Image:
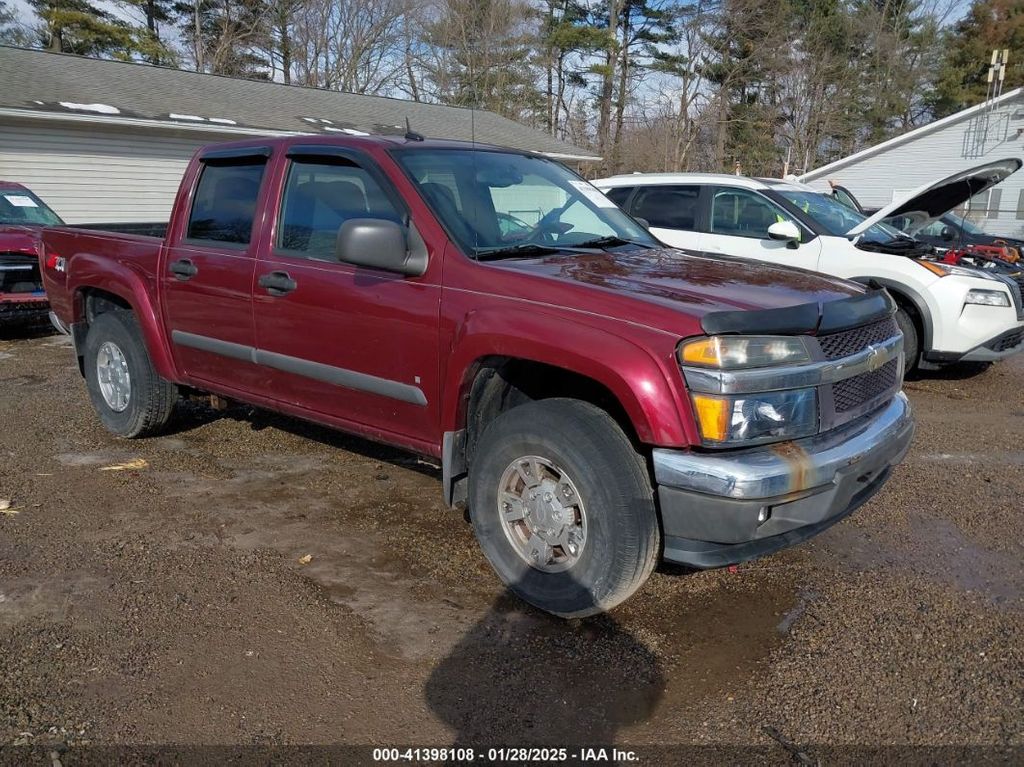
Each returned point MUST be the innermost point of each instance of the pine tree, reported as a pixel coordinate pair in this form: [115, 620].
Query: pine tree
[989, 25]
[84, 28]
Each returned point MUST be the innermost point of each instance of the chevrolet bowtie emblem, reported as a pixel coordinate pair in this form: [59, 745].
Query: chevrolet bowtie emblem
[875, 360]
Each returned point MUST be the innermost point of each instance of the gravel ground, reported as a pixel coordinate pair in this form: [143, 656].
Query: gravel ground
[250, 579]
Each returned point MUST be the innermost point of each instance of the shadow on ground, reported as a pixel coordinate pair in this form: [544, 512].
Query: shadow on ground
[523, 677]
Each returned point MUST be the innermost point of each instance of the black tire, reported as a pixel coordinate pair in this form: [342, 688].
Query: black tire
[623, 538]
[911, 347]
[151, 399]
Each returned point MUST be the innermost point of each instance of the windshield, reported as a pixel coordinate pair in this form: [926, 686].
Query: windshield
[496, 201]
[20, 206]
[837, 219]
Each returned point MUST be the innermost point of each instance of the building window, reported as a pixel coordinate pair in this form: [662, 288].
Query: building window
[995, 196]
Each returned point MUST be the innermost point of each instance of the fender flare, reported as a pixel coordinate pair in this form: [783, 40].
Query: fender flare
[86, 272]
[637, 380]
[911, 295]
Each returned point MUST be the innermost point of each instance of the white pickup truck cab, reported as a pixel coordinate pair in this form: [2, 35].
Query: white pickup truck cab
[947, 313]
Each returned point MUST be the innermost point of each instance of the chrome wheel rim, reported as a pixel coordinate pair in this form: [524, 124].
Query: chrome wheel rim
[542, 514]
[113, 376]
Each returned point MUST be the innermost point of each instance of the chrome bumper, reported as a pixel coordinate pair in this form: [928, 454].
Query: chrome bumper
[722, 508]
[789, 467]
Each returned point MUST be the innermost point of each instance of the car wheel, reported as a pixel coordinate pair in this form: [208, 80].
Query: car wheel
[562, 506]
[911, 350]
[129, 396]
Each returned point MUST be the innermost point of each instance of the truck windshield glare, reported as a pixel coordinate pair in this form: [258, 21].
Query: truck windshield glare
[496, 200]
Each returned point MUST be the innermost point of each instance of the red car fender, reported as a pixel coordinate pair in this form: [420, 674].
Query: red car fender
[636, 378]
[86, 271]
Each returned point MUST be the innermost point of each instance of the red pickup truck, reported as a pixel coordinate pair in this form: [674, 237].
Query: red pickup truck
[22, 217]
[598, 401]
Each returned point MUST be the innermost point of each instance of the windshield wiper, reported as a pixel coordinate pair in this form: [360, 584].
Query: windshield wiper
[608, 242]
[514, 251]
[536, 249]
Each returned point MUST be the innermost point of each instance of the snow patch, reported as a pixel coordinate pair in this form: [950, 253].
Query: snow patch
[222, 121]
[193, 118]
[104, 109]
[349, 131]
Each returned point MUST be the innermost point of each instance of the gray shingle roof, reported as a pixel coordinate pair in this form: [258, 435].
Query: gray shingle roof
[40, 81]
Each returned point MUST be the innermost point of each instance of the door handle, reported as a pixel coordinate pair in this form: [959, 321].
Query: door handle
[277, 283]
[184, 269]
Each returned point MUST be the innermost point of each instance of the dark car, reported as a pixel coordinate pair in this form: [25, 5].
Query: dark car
[22, 217]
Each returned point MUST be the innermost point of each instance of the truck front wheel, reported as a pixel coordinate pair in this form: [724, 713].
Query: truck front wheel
[129, 396]
[562, 506]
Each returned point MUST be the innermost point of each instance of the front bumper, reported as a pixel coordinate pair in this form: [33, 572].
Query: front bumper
[20, 306]
[722, 508]
[996, 348]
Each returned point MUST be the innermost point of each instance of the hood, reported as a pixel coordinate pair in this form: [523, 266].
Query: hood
[931, 201]
[688, 282]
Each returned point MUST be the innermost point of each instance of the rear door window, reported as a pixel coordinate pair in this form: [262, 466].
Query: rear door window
[224, 205]
[668, 207]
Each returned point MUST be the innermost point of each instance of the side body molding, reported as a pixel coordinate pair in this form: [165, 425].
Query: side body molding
[350, 379]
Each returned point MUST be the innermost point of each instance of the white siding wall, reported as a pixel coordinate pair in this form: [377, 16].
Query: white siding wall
[93, 175]
[876, 178]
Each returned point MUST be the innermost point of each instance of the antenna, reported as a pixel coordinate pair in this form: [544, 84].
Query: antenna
[410, 134]
[997, 73]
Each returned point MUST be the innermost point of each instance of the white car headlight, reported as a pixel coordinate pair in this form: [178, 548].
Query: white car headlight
[987, 297]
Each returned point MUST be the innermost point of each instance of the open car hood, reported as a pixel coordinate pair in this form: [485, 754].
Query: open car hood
[933, 200]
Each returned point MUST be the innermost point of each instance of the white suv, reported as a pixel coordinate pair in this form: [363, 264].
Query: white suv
[947, 313]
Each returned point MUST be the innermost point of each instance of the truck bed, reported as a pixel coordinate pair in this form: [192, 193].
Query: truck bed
[95, 256]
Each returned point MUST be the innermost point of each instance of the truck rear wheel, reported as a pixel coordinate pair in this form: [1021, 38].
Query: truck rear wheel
[129, 396]
[563, 508]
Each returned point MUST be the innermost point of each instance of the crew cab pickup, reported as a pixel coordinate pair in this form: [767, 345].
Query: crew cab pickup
[598, 401]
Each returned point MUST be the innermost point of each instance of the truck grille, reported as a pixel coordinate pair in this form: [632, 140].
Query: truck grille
[847, 342]
[851, 393]
[19, 274]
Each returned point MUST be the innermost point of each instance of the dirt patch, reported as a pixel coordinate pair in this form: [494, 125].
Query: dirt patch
[257, 580]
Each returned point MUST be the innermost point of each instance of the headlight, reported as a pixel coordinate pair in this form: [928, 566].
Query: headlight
[752, 418]
[729, 352]
[987, 297]
[945, 270]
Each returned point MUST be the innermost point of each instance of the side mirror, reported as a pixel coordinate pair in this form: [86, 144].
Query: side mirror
[784, 231]
[381, 244]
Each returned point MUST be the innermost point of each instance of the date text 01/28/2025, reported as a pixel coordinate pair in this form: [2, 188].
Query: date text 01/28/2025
[503, 754]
